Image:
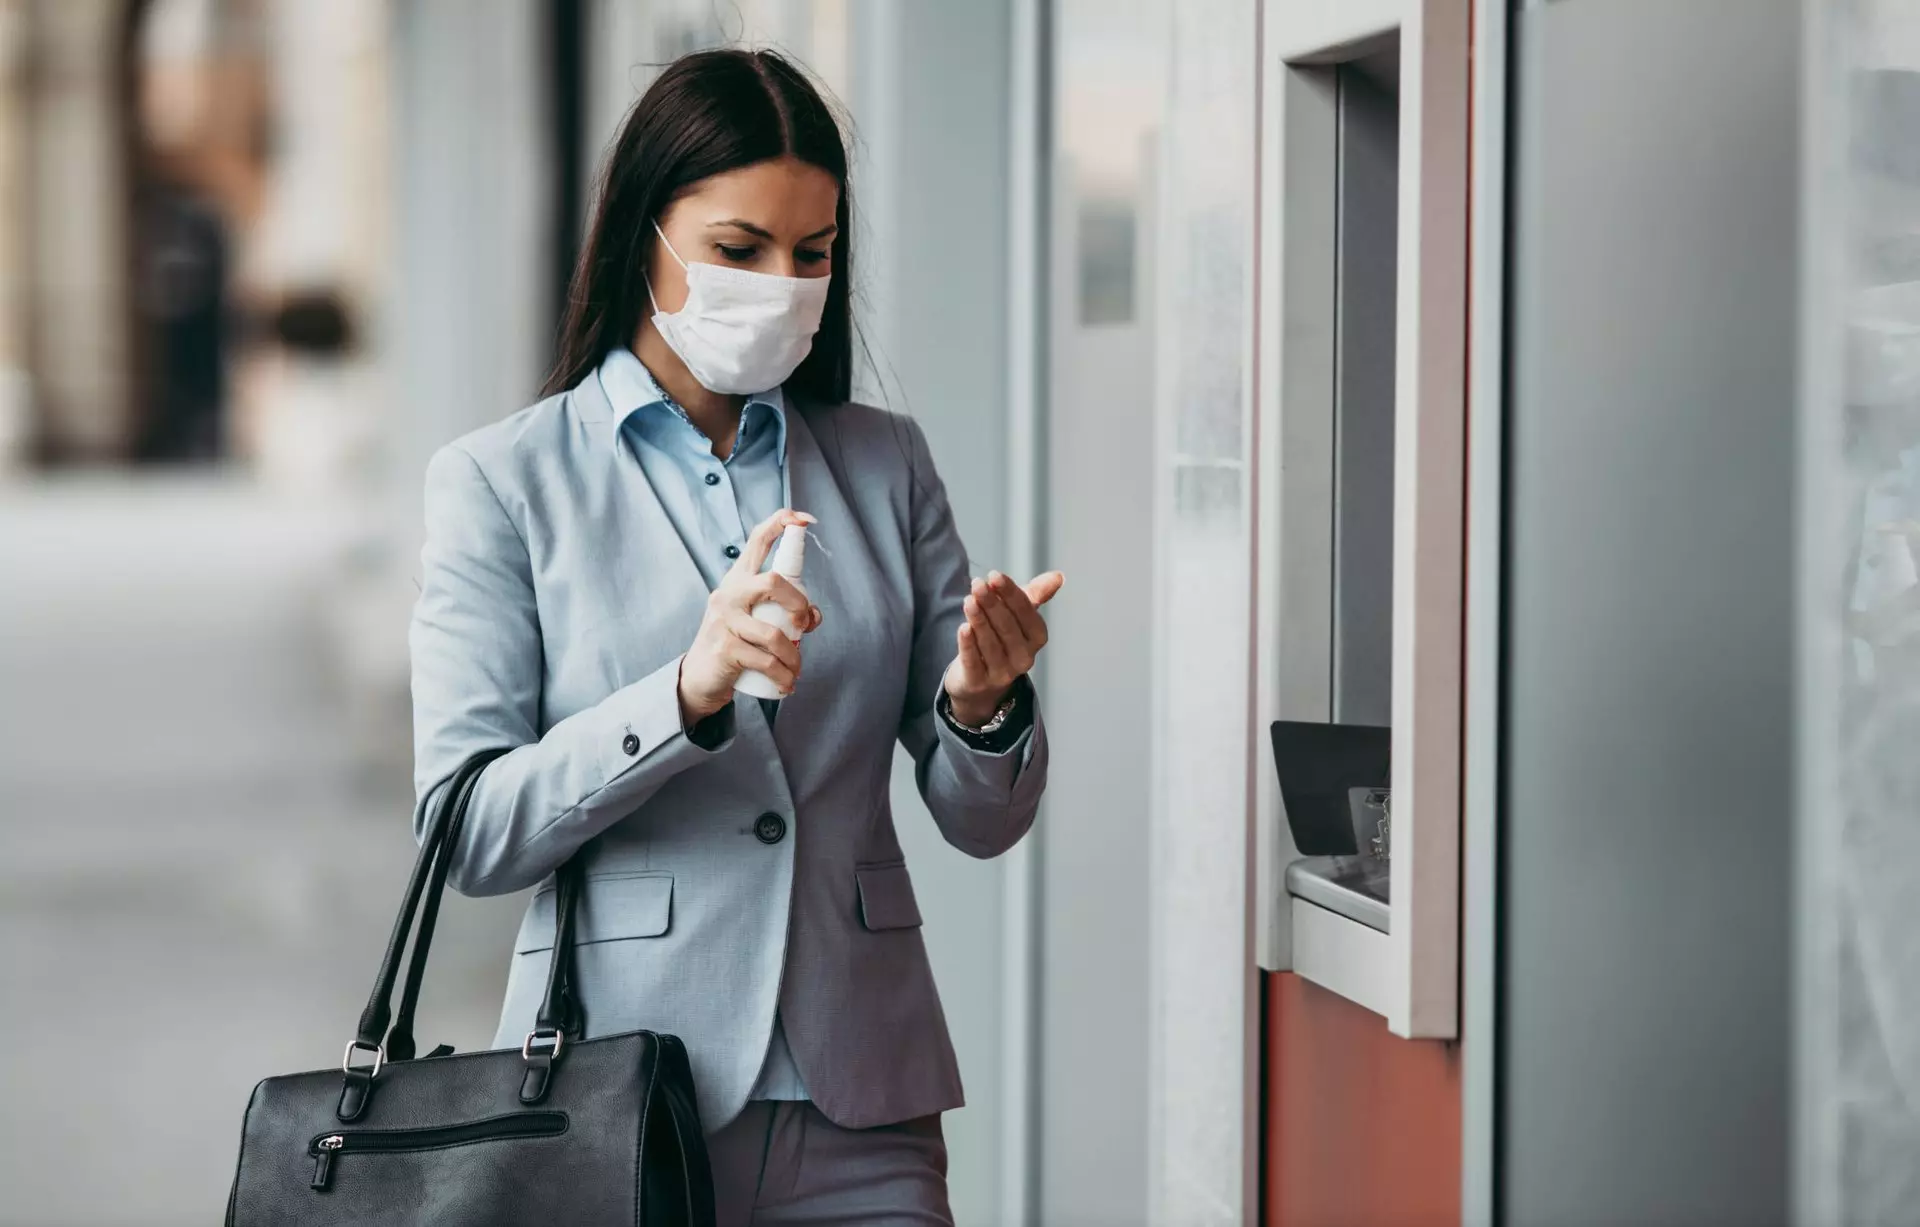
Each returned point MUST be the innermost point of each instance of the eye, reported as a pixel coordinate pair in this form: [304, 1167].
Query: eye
[808, 256]
[739, 255]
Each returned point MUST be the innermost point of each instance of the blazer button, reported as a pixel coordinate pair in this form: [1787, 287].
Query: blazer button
[713, 479]
[630, 744]
[732, 551]
[770, 828]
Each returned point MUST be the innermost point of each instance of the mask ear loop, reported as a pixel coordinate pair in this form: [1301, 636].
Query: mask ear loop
[648, 281]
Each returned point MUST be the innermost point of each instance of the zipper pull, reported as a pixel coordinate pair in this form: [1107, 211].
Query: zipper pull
[323, 1152]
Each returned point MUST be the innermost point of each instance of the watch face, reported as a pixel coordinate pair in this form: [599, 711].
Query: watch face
[994, 722]
[1000, 715]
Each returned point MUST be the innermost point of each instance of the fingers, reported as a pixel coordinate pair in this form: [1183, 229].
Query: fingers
[767, 649]
[1043, 588]
[760, 541]
[772, 586]
[1032, 626]
[760, 544]
[986, 638]
[974, 664]
[758, 659]
[768, 639]
[1013, 641]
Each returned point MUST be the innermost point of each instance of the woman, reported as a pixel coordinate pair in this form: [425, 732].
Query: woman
[589, 567]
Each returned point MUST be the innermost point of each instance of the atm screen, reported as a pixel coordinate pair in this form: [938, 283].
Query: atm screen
[1319, 765]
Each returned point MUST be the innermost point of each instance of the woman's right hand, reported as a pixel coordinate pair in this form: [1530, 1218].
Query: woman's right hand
[731, 641]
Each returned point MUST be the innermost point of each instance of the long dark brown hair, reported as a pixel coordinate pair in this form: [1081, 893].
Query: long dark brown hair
[707, 113]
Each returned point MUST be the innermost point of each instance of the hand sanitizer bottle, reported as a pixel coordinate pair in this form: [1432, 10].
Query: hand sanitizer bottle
[788, 558]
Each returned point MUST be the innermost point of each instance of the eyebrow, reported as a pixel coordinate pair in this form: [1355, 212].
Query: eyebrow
[759, 233]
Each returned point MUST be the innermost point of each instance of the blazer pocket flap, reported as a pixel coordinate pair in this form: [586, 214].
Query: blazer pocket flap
[886, 897]
[613, 907]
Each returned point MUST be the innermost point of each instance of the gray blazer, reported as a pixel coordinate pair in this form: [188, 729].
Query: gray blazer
[556, 600]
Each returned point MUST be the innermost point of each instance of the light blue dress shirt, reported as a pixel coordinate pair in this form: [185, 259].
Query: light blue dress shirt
[714, 504]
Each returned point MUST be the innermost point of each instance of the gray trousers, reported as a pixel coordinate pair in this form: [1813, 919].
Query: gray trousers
[783, 1164]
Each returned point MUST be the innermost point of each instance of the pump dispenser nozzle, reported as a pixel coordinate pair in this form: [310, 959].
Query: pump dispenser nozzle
[791, 554]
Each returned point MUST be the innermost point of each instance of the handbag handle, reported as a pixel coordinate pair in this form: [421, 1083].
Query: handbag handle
[399, 1042]
[559, 1015]
[427, 884]
[453, 802]
[559, 1006]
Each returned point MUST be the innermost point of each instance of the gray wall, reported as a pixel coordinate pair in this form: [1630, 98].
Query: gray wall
[929, 99]
[1645, 824]
[471, 320]
[1096, 1007]
[1095, 1004]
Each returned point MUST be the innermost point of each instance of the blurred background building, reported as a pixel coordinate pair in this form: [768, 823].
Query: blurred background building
[1539, 377]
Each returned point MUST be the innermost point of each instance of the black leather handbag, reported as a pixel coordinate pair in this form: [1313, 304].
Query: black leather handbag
[562, 1130]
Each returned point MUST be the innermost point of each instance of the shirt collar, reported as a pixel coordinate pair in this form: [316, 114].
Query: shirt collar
[632, 390]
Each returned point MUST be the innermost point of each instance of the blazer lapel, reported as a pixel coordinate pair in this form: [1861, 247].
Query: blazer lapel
[840, 582]
[654, 581]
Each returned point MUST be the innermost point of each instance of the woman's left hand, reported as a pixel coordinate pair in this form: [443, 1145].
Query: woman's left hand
[998, 642]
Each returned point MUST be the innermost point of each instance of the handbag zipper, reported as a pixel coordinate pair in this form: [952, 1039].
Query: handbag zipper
[328, 1146]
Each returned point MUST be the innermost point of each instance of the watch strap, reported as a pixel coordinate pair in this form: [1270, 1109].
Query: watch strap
[1009, 722]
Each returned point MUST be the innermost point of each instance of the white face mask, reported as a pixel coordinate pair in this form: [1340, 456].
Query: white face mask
[741, 332]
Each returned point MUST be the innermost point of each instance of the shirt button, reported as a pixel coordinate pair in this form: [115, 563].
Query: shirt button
[630, 744]
[713, 479]
[770, 828]
[732, 551]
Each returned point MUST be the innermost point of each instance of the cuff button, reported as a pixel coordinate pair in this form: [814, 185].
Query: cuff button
[630, 744]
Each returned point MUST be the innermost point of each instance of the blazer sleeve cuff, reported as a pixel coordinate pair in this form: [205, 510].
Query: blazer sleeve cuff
[985, 763]
[1001, 740]
[640, 725]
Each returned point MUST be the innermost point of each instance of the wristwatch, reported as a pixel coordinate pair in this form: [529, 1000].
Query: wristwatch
[994, 722]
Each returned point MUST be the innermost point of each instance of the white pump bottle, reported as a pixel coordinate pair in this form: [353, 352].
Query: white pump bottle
[788, 559]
